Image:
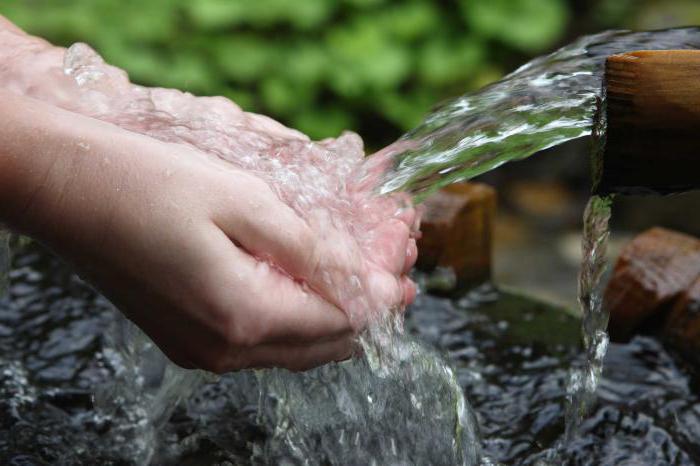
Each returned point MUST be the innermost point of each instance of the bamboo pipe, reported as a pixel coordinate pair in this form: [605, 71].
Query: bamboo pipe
[648, 132]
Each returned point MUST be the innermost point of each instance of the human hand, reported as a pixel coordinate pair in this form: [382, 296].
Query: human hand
[174, 238]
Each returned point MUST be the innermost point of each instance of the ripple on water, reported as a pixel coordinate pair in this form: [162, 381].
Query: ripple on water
[514, 375]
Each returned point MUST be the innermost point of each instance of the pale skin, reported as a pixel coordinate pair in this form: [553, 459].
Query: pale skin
[172, 237]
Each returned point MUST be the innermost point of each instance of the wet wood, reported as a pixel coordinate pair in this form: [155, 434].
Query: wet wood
[652, 271]
[652, 109]
[456, 231]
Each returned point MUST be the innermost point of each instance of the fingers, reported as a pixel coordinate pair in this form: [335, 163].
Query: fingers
[259, 304]
[411, 255]
[292, 357]
[267, 228]
[264, 226]
[409, 290]
[319, 255]
[391, 240]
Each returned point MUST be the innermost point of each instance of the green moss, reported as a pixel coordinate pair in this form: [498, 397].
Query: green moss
[530, 320]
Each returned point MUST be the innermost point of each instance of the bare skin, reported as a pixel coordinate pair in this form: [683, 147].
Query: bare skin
[173, 237]
[165, 237]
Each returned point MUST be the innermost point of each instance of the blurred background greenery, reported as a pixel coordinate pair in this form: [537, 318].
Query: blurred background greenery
[374, 66]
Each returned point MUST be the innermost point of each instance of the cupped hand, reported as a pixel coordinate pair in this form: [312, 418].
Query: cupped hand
[202, 256]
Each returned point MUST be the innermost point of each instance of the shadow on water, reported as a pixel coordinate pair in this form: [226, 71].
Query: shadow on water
[512, 357]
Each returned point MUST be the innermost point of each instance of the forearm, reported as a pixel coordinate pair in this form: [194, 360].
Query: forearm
[42, 148]
[29, 147]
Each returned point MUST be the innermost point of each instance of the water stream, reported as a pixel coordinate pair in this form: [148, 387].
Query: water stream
[511, 356]
[402, 401]
[584, 381]
[550, 100]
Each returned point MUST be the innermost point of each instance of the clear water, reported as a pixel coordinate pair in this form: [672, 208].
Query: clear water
[546, 102]
[511, 357]
[584, 381]
[402, 400]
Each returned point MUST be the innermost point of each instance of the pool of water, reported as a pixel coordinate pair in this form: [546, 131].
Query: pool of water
[512, 356]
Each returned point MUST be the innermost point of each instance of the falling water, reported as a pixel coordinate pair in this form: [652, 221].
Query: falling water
[584, 381]
[400, 403]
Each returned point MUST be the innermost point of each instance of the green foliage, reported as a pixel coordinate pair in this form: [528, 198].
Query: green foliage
[375, 66]
[528, 25]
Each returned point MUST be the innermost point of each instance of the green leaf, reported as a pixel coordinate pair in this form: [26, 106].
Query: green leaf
[364, 57]
[244, 58]
[304, 62]
[406, 110]
[189, 71]
[284, 97]
[527, 25]
[216, 14]
[410, 20]
[310, 13]
[242, 98]
[364, 3]
[322, 123]
[443, 61]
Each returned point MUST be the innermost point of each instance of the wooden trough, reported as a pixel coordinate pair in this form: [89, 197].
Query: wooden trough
[649, 129]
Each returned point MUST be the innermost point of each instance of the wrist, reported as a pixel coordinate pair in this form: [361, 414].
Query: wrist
[34, 150]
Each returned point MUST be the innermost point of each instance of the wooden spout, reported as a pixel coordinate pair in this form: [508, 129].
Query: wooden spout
[652, 113]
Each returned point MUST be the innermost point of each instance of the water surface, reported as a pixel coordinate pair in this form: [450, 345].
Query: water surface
[511, 357]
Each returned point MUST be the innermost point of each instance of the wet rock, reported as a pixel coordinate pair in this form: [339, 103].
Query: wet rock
[651, 272]
[682, 329]
[457, 228]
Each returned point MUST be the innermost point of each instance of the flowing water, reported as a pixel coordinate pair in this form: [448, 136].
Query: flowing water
[401, 403]
[584, 381]
[546, 102]
[510, 355]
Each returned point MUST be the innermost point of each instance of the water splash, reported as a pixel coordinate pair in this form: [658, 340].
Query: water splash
[390, 407]
[511, 356]
[371, 409]
[406, 394]
[145, 390]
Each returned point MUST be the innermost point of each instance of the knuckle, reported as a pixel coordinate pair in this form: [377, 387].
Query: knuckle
[313, 255]
[221, 361]
[242, 333]
[233, 329]
[294, 363]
